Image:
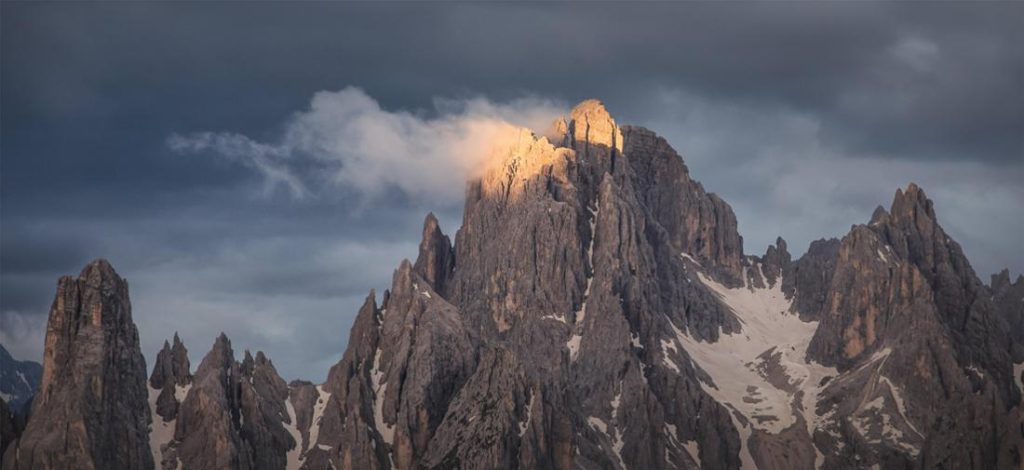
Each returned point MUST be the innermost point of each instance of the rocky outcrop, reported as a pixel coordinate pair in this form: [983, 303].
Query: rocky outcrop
[91, 409]
[9, 428]
[172, 365]
[927, 375]
[303, 397]
[171, 378]
[810, 278]
[436, 258]
[234, 415]
[18, 381]
[964, 304]
[1008, 299]
[264, 412]
[208, 433]
[390, 391]
[698, 223]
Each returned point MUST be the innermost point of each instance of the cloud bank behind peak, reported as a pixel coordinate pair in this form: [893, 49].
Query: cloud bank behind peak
[346, 140]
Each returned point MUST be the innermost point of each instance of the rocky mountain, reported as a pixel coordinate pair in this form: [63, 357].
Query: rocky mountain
[18, 381]
[595, 311]
[90, 411]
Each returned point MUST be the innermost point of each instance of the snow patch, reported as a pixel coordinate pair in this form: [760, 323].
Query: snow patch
[772, 341]
[558, 318]
[616, 402]
[294, 455]
[666, 346]
[318, 413]
[574, 341]
[617, 442]
[897, 397]
[582, 312]
[181, 391]
[733, 361]
[694, 450]
[523, 426]
[379, 392]
[867, 418]
[574, 346]
[160, 432]
[746, 459]
[690, 258]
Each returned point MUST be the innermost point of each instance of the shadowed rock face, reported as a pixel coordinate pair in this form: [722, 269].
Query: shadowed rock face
[436, 258]
[9, 429]
[171, 374]
[91, 410]
[233, 415]
[922, 348]
[811, 276]
[18, 382]
[697, 222]
[1009, 303]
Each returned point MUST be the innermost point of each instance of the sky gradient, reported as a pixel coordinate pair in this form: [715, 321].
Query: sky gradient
[803, 116]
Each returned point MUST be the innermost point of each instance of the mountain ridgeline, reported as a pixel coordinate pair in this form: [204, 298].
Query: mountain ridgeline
[596, 311]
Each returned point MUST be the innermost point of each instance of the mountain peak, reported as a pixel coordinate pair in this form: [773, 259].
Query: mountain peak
[92, 359]
[590, 124]
[99, 268]
[590, 107]
[436, 258]
[906, 203]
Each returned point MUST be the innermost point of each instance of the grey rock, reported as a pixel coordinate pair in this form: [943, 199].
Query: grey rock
[18, 381]
[907, 324]
[208, 433]
[303, 395]
[171, 366]
[1009, 303]
[810, 278]
[9, 428]
[697, 222]
[436, 258]
[91, 411]
[263, 411]
[234, 415]
[171, 371]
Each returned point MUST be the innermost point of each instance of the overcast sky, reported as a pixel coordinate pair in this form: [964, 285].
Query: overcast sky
[257, 169]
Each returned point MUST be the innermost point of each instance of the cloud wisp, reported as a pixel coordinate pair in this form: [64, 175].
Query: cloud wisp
[346, 140]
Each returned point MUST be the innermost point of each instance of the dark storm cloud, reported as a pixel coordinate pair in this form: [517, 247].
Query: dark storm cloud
[804, 116]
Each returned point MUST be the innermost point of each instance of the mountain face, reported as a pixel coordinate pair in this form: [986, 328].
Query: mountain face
[595, 311]
[90, 411]
[18, 381]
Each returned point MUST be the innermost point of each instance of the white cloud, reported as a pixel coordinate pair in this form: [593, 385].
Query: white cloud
[23, 334]
[345, 139]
